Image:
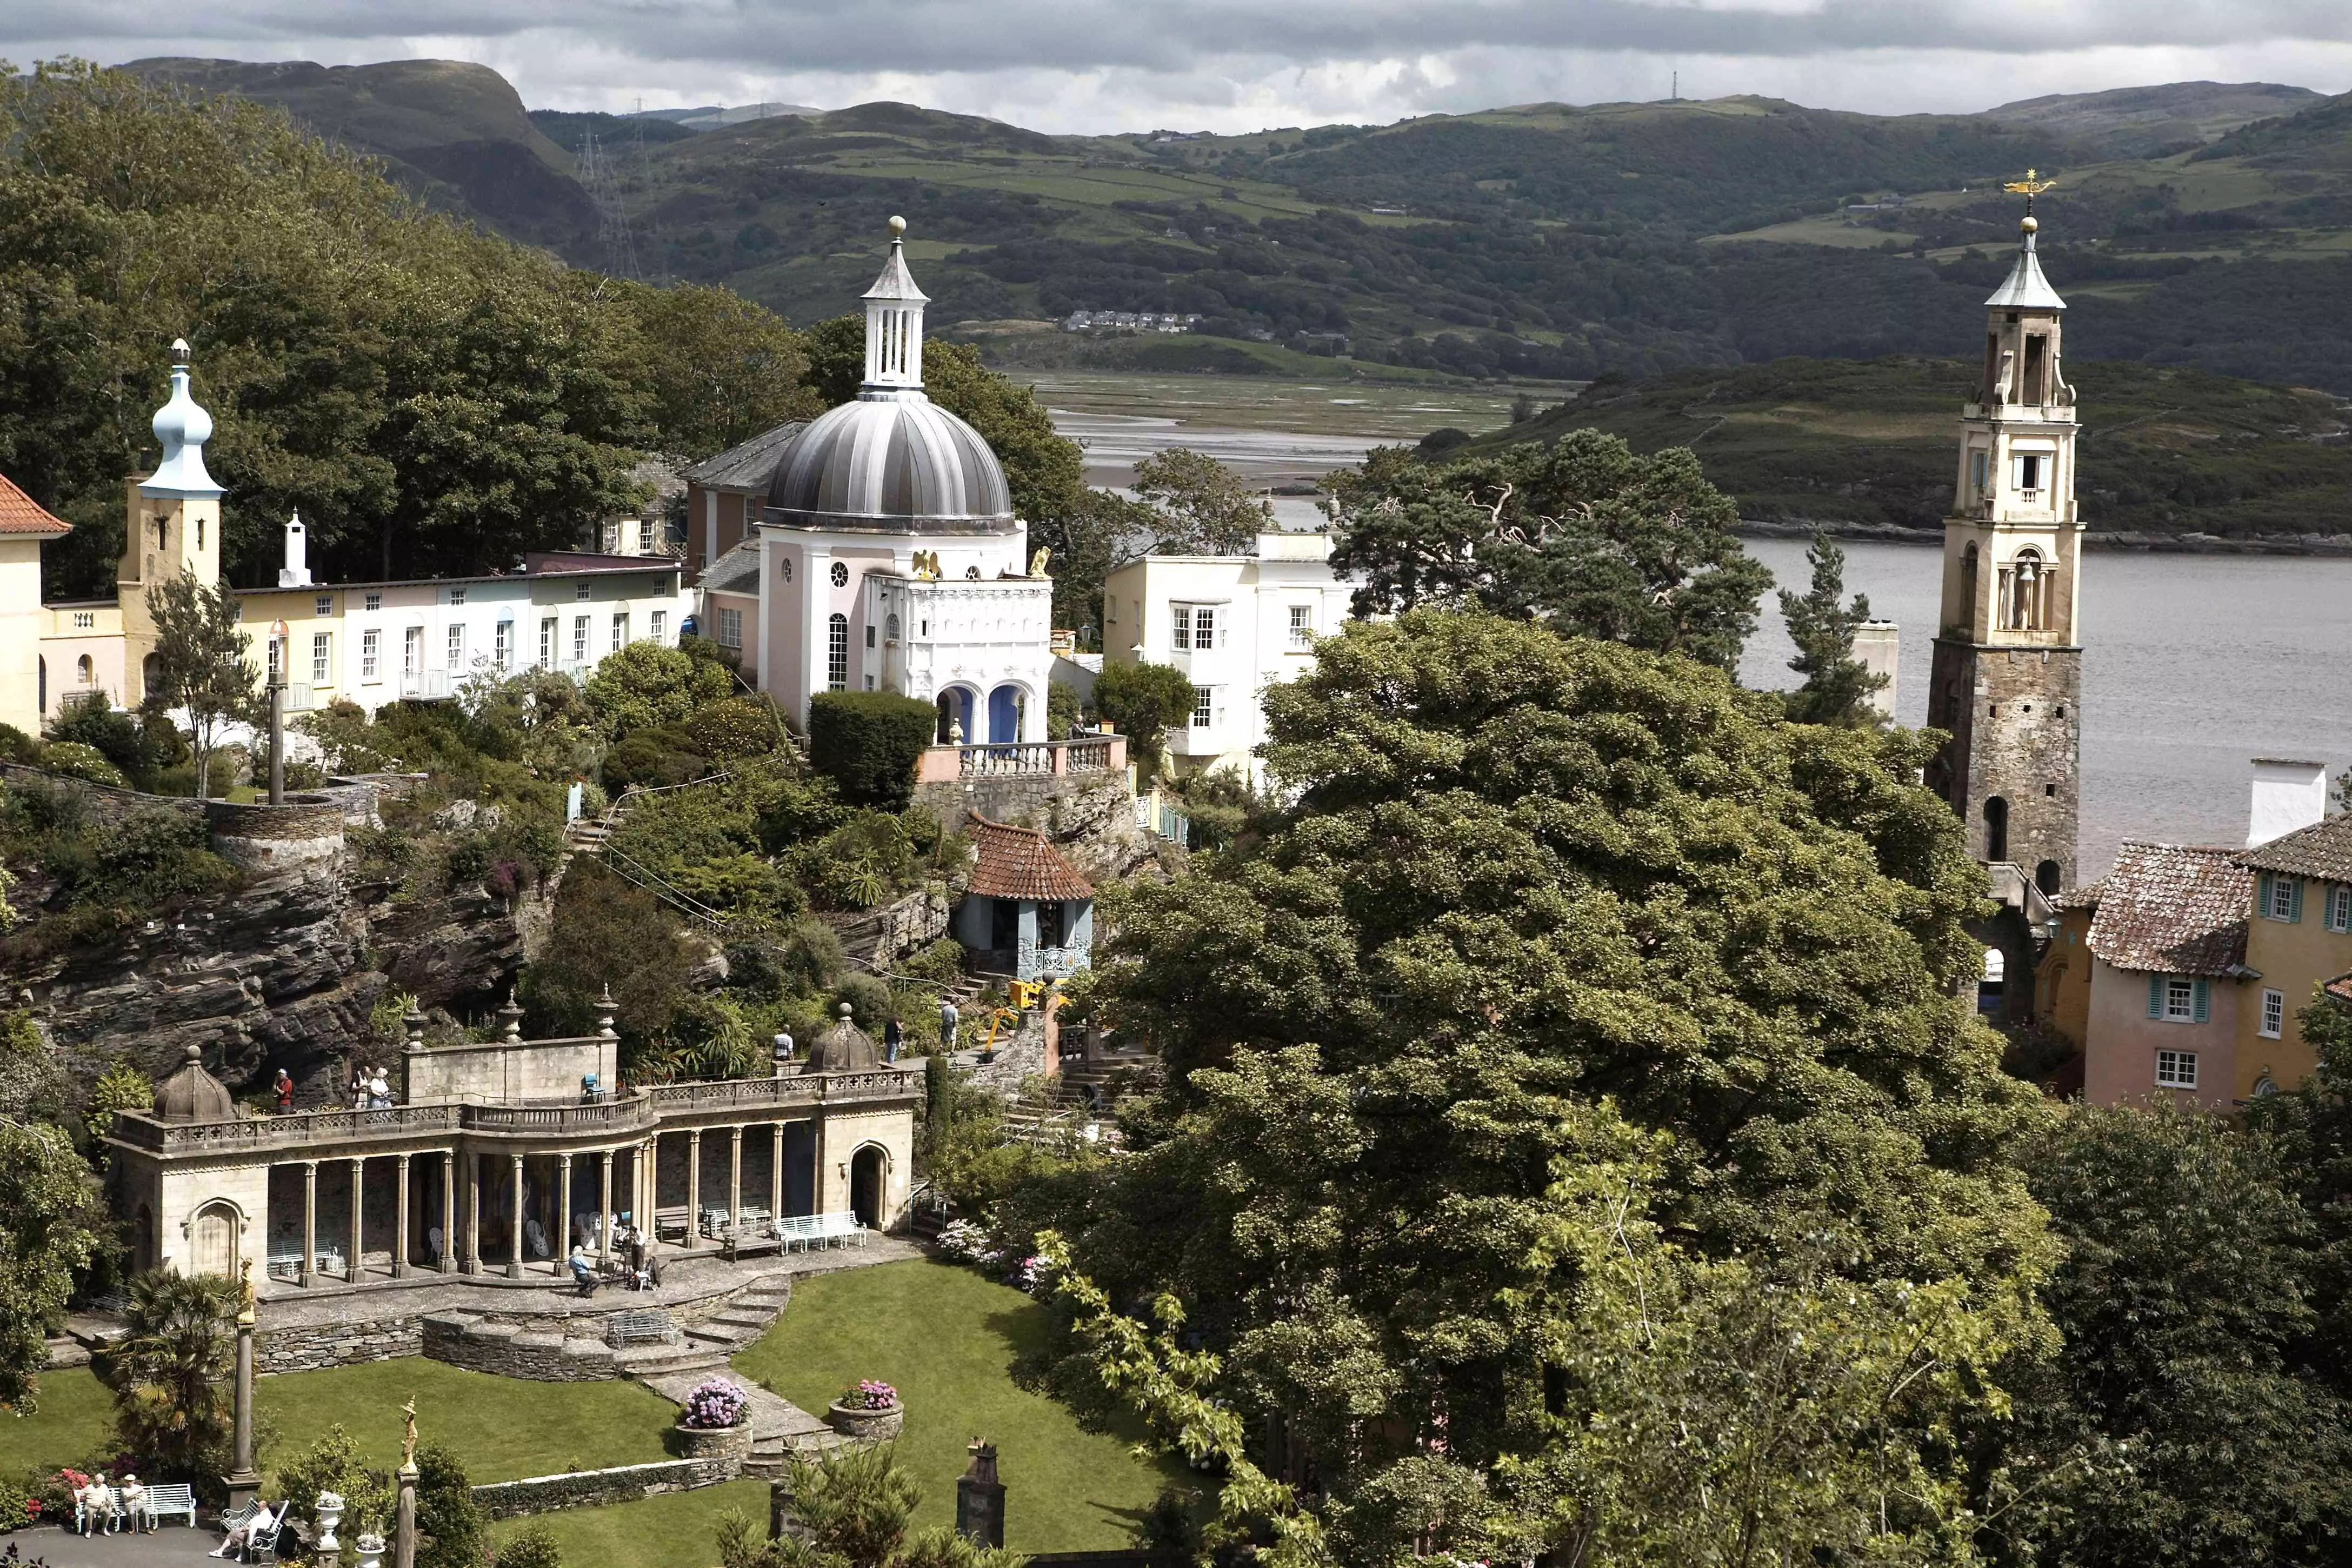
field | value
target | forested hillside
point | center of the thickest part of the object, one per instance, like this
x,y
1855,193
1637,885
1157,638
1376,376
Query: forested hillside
x,y
1871,443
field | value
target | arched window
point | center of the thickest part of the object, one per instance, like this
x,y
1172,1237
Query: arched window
x,y
1996,821
836,656
1968,586
2046,877
2026,588
84,671
890,628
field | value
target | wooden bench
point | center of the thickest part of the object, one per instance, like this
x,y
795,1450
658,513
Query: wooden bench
x,y
165,1501
674,1225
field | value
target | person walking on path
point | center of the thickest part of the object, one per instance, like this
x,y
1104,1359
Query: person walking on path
x,y
893,1035
949,1018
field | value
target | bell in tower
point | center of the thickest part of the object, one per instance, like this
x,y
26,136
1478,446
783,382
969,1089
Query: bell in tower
x,y
2007,679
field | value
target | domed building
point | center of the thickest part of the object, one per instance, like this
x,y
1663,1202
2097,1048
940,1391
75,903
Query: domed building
x,y
879,549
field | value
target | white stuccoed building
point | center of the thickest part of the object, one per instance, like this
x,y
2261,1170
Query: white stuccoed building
x,y
1236,625
890,556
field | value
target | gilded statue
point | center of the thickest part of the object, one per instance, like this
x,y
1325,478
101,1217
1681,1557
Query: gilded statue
x,y
1038,562
408,1440
244,1306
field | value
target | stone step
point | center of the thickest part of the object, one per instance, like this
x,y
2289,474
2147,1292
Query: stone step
x,y
653,1360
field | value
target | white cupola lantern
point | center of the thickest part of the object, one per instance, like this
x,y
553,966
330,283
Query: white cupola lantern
x,y
894,323
182,427
296,572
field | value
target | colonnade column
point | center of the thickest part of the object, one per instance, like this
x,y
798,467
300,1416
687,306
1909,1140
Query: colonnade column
x,y
359,1232
445,1261
648,1186
734,1177
562,1210
776,1173
473,1214
400,1232
693,1187
309,1219
605,1203
816,1163
514,1230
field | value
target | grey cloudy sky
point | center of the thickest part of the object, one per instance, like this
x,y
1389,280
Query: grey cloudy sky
x,y
1241,65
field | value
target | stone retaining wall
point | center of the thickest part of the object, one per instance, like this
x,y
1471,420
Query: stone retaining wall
x,y
538,1354
311,1347
586,1488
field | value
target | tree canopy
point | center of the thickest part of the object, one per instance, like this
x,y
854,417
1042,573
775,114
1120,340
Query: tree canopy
x,y
1582,535
1838,686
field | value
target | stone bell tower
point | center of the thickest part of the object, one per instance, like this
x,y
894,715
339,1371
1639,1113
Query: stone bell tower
x,y
2008,672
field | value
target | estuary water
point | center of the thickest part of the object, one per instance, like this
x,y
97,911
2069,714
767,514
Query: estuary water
x,y
2192,666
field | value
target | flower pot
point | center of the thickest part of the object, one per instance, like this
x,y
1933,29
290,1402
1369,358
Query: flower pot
x,y
860,1424
716,1442
370,1551
330,1510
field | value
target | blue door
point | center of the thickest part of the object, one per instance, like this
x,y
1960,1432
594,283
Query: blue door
x,y
1003,715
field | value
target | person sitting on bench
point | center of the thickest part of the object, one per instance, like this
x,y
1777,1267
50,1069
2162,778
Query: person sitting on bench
x,y
261,1525
584,1272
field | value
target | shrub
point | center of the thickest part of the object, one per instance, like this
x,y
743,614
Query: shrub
x,y
869,997
455,1531
15,745
1142,701
333,1464
138,744
712,1403
651,759
645,686
17,1509
867,743
121,1087
532,1546
76,760
940,963
1063,708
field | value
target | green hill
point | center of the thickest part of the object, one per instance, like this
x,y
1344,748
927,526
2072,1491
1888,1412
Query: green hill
x,y
1870,444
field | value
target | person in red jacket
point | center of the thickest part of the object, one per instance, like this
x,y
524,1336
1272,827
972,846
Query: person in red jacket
x,y
284,1087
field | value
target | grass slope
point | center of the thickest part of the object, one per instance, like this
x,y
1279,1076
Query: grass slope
x,y
74,1423
2163,451
948,1339
676,1531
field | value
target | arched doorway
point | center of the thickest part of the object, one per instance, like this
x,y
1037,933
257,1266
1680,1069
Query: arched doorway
x,y
955,708
2046,877
212,1240
150,673
869,1179
1004,709
1996,820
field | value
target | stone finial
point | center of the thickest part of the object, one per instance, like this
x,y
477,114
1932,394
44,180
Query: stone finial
x,y
606,1010
982,1467
510,1017
412,1021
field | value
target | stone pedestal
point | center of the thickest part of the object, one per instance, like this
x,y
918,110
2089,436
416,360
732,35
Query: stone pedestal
x,y
980,1498
860,1424
404,1529
243,1482
716,1442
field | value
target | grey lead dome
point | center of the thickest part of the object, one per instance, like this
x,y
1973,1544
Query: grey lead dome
x,y
892,462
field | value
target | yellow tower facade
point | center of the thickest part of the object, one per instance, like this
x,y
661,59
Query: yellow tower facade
x,y
171,525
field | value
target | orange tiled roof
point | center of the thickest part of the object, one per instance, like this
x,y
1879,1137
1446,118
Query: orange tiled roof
x,y
1022,863
2323,850
19,514
2173,909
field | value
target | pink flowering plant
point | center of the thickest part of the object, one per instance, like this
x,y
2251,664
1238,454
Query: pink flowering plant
x,y
869,1395
713,1404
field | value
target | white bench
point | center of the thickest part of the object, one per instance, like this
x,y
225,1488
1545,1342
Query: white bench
x,y
807,1230
163,1501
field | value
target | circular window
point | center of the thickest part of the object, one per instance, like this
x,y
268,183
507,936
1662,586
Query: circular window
x,y
840,575
786,563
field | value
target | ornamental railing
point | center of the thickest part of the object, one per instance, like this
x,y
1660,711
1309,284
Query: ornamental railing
x,y
1013,758
629,1112
290,1131
800,1089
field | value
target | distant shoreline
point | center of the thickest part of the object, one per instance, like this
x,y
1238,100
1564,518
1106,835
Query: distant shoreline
x,y
2145,544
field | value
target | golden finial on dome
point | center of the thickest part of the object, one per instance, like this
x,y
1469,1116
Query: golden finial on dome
x,y
897,228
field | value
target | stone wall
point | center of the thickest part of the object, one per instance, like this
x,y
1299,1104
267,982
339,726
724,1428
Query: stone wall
x,y
586,1488
510,1350
2015,717
306,830
309,1347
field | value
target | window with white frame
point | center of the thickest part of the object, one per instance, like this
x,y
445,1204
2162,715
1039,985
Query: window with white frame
x,y
374,602
1204,626
274,659
2176,1069
620,631
502,646
2273,1014
1302,626
412,651
2179,1000
320,647
579,639
840,574
837,653
2339,909
580,592
2283,898
456,597
325,604
371,654
1205,706
456,652
547,642
731,628
659,624
645,537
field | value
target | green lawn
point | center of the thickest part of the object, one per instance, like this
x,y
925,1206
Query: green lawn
x,y
947,1338
678,1530
75,1418
504,1428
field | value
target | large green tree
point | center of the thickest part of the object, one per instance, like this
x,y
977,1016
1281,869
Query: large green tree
x,y
200,670
1583,535
1541,907
51,1228
173,1379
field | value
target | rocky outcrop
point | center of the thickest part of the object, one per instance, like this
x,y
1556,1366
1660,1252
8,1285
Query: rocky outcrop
x,y
1089,817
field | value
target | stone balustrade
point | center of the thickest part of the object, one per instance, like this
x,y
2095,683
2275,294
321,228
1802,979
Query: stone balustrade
x,y
1033,760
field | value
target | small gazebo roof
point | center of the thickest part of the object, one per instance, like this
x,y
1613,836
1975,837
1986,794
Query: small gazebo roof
x,y
192,1094
843,1047
1022,863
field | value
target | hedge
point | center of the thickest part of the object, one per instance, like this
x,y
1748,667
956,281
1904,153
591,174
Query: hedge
x,y
867,743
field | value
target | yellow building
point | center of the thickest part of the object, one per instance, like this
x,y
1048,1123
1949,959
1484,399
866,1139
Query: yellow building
x,y
24,528
173,517
2300,938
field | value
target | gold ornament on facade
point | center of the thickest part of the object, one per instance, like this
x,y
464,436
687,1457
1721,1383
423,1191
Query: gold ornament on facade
x,y
2030,187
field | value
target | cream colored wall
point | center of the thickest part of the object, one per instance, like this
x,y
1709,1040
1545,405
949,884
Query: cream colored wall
x,y
185,1190
2292,958
20,632
2121,1042
162,537
2062,979
500,1073
842,1133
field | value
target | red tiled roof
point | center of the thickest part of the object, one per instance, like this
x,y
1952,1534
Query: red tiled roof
x,y
20,514
1021,863
2340,987
2173,909
2323,850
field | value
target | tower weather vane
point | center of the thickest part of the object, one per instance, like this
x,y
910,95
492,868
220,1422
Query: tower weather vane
x,y
2029,188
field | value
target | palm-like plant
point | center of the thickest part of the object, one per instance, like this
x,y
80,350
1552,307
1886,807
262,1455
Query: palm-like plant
x,y
173,1379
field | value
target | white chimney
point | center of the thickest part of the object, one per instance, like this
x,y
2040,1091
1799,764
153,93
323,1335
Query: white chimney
x,y
1877,644
296,572
2286,796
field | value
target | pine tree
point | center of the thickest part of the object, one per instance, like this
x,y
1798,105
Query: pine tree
x,y
1838,686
